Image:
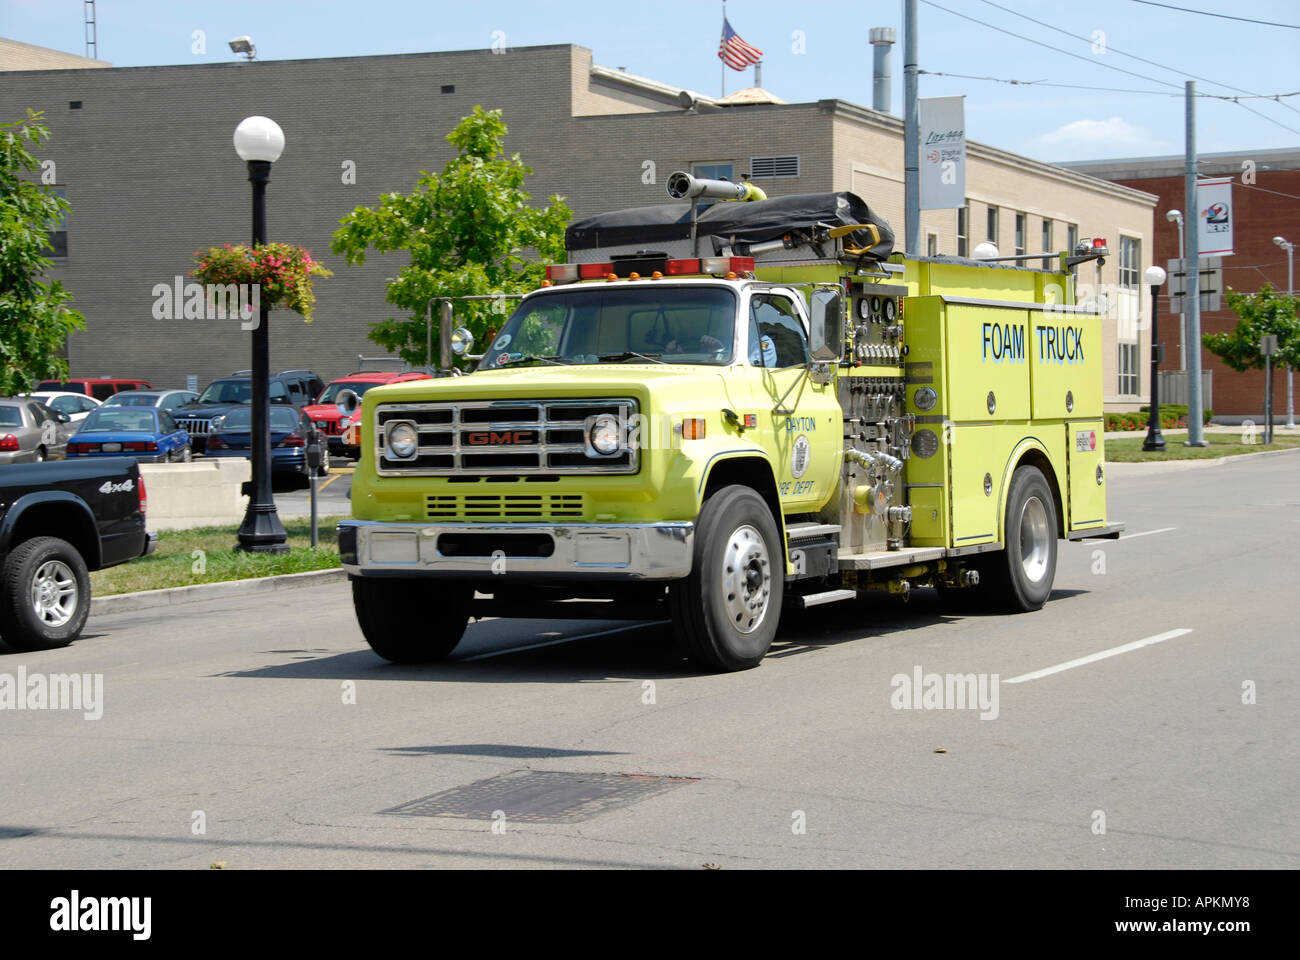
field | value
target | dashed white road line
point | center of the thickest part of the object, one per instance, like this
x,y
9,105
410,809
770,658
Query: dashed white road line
x,y
1100,655
1146,533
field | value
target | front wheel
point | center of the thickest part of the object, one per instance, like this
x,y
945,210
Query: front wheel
x,y
394,626
1019,578
44,593
726,612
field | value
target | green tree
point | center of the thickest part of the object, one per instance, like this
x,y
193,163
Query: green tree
x,y
466,231
35,320
1268,311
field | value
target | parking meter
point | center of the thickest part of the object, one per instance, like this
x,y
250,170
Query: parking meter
x,y
315,452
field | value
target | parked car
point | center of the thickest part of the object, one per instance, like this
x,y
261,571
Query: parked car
x,y
75,405
325,414
291,388
147,434
58,521
169,400
31,432
230,434
101,388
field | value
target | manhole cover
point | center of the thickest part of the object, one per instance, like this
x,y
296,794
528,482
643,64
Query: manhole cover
x,y
539,796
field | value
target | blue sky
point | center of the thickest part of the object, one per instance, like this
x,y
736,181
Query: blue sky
x,y
813,50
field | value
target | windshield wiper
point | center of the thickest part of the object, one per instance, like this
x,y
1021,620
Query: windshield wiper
x,y
558,361
628,355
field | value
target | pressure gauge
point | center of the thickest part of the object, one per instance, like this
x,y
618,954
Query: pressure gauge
x,y
864,309
891,310
875,306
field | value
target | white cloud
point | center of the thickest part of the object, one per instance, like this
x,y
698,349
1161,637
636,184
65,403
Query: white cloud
x,y
1093,139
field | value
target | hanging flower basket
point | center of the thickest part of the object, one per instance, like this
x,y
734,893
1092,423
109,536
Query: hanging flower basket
x,y
282,272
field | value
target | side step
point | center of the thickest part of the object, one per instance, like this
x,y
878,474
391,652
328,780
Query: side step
x,y
817,599
807,531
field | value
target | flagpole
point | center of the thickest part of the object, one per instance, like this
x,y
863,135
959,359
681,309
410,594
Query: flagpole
x,y
722,69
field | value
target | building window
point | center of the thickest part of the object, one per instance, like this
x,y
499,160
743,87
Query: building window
x,y
1021,229
993,224
1128,369
963,230
1130,262
765,168
712,171
931,244
59,230
1071,236
1047,243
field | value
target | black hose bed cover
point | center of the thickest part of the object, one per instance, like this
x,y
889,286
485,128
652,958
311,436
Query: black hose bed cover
x,y
753,222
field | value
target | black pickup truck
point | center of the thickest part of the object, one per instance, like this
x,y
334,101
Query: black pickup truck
x,y
59,521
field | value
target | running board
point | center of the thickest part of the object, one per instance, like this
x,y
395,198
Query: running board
x,y
817,599
807,531
889,558
1109,532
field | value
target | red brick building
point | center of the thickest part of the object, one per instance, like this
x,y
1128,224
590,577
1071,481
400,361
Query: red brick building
x,y
1266,208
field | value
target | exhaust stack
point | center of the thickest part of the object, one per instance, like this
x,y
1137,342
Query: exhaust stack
x,y
882,39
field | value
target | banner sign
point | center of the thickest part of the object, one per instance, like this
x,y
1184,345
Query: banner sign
x,y
1214,216
943,153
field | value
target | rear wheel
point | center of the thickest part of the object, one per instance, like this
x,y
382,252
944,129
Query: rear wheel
x,y
726,612
384,612
40,455
1020,577
44,593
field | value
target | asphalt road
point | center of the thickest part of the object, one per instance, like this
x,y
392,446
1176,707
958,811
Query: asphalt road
x,y
235,720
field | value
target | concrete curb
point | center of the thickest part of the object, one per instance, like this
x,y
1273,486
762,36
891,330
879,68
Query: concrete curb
x,y
149,599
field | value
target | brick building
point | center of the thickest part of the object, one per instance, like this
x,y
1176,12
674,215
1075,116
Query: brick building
x,y
144,154
1265,208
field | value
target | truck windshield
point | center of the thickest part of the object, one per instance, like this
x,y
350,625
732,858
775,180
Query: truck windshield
x,y
595,324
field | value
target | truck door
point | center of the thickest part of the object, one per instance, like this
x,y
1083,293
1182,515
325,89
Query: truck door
x,y
799,421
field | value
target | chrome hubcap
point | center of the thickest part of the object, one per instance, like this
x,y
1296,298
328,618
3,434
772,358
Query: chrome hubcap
x,y
1035,539
54,593
746,579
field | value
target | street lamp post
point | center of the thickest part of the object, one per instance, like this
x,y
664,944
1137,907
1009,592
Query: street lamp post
x,y
259,141
1155,440
1290,289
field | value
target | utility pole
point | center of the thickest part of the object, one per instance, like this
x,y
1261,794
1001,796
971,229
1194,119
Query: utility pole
x,y
1191,220
1290,289
911,134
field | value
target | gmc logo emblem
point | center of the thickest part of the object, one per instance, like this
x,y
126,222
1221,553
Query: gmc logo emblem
x,y
495,438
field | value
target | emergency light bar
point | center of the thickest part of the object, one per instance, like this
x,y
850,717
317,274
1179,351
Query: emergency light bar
x,y
693,266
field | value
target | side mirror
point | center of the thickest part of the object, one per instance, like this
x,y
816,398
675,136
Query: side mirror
x,y
826,333
63,417
347,402
461,341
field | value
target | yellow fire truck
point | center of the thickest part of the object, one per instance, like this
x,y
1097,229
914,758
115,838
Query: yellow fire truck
x,y
720,415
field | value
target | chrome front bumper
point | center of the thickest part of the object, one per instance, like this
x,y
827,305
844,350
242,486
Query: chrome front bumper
x,y
534,551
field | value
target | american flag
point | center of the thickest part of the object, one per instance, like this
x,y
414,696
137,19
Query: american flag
x,y
734,52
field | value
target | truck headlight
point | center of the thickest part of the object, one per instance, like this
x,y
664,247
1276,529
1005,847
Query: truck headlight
x,y
604,434
402,440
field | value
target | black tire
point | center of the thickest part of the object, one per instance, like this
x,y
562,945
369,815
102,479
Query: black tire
x,y
383,608
1019,578
48,573
726,612
40,455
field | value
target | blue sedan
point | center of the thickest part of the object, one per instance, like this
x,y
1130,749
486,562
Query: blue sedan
x,y
290,428
148,434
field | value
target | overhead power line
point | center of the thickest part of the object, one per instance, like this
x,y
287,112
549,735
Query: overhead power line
x,y
1113,49
1050,83
1224,16
1038,43
1095,62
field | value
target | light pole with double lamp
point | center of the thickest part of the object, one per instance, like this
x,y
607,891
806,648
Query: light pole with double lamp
x,y
1155,440
259,141
1290,289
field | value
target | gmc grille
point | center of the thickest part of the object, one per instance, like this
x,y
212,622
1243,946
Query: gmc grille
x,y
506,437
